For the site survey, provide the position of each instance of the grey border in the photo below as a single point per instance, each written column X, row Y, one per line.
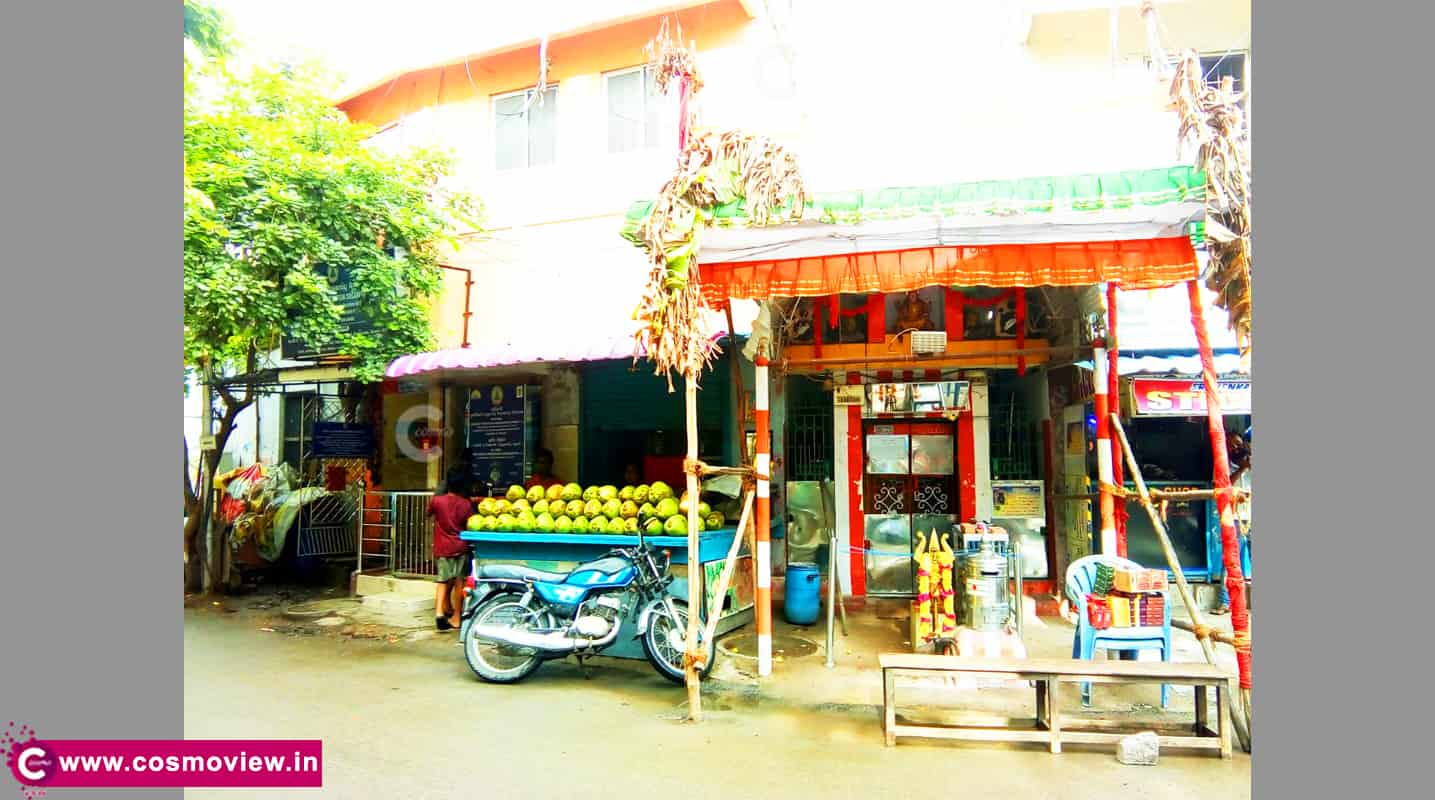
column 90, row 598
column 1343, row 471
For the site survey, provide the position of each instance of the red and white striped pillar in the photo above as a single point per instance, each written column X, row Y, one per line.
column 763, row 463
column 1103, row 449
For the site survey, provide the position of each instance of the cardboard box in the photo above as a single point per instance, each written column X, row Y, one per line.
column 1135, row 581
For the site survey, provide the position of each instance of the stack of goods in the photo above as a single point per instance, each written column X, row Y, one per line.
column 1123, row 609
column 1153, row 610
column 1126, row 598
column 571, row 509
column 1098, row 611
column 1105, row 576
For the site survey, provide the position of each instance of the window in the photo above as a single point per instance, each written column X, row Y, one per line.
column 1232, row 65
column 525, row 129
column 634, row 105
column 1216, row 66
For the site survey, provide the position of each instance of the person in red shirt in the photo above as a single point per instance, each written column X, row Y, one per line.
column 543, row 470
column 450, row 512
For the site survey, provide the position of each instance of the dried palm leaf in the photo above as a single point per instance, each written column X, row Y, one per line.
column 715, row 169
column 1213, row 119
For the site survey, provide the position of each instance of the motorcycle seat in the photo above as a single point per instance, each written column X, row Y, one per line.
column 518, row 572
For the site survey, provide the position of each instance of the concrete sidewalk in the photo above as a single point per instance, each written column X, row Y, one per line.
column 854, row 682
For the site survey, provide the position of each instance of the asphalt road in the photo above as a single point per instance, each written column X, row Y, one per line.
column 406, row 719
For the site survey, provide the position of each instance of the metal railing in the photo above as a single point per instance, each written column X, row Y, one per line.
column 397, row 530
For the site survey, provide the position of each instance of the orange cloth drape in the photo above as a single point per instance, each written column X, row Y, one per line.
column 1141, row 264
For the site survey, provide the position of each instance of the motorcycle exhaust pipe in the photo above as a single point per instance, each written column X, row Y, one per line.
column 556, row 642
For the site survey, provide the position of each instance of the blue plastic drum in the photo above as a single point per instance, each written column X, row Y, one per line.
column 801, row 601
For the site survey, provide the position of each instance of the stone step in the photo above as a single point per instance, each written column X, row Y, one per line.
column 366, row 585
column 400, row 605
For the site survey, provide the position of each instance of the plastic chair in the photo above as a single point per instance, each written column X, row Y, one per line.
column 1080, row 577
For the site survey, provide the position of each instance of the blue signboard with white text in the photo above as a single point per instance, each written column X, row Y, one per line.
column 342, row 440
column 502, row 433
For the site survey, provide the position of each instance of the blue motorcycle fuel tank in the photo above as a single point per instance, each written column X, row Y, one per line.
column 605, row 573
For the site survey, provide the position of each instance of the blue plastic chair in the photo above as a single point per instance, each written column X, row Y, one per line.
column 1080, row 577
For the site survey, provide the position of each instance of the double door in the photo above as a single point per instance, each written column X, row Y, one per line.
column 909, row 485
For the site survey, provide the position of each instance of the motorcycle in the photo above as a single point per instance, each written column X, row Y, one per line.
column 516, row 617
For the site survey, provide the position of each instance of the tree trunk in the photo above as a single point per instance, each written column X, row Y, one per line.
column 204, row 549
column 193, row 514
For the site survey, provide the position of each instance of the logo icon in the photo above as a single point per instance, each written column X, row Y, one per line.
column 30, row 760
column 418, row 433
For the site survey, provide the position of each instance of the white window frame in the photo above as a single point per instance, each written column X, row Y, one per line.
column 664, row 132
column 493, row 103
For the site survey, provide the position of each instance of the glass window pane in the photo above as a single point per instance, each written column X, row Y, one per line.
column 932, row 455
column 510, row 137
column 887, row 454
column 543, row 129
column 625, row 112
column 652, row 104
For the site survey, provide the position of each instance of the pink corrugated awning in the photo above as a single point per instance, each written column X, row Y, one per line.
column 568, row 349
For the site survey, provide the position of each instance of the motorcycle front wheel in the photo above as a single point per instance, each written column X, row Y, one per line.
column 666, row 640
column 502, row 663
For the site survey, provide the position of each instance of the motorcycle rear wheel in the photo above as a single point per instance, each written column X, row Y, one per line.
column 664, row 644
column 499, row 663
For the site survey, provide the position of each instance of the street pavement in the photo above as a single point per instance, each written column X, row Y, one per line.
column 403, row 717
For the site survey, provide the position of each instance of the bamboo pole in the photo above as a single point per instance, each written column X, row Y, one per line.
column 1203, row 633
column 695, row 567
column 728, row 568
column 1220, row 636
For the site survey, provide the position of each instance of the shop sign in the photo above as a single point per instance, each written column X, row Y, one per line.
column 853, row 395
column 352, row 318
column 1185, row 397
column 1018, row 500
column 342, row 440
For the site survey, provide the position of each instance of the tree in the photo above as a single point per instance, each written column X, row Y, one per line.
column 279, row 190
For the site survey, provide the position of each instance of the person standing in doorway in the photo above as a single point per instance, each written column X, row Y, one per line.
column 1239, row 449
column 450, row 512
column 543, row 470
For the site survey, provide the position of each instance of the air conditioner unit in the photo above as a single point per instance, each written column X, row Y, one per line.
column 929, row 343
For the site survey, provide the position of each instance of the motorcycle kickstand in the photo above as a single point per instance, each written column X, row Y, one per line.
column 583, row 665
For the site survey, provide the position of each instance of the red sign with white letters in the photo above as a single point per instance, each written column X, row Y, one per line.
column 1185, row 397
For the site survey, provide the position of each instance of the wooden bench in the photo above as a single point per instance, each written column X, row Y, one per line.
column 1048, row 675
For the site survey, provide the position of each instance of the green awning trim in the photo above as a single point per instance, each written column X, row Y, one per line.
column 1091, row 192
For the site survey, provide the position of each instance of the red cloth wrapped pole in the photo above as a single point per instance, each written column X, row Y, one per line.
column 1114, row 392
column 1225, row 502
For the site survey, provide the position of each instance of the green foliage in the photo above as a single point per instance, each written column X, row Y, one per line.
column 206, row 29
column 279, row 184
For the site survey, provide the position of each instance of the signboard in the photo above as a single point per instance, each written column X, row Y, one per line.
column 1018, row 500
column 342, row 440
column 351, row 319
column 1186, row 397
column 853, row 395
column 496, row 441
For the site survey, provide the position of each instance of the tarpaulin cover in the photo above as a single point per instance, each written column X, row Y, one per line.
column 1135, row 227
column 1141, row 264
